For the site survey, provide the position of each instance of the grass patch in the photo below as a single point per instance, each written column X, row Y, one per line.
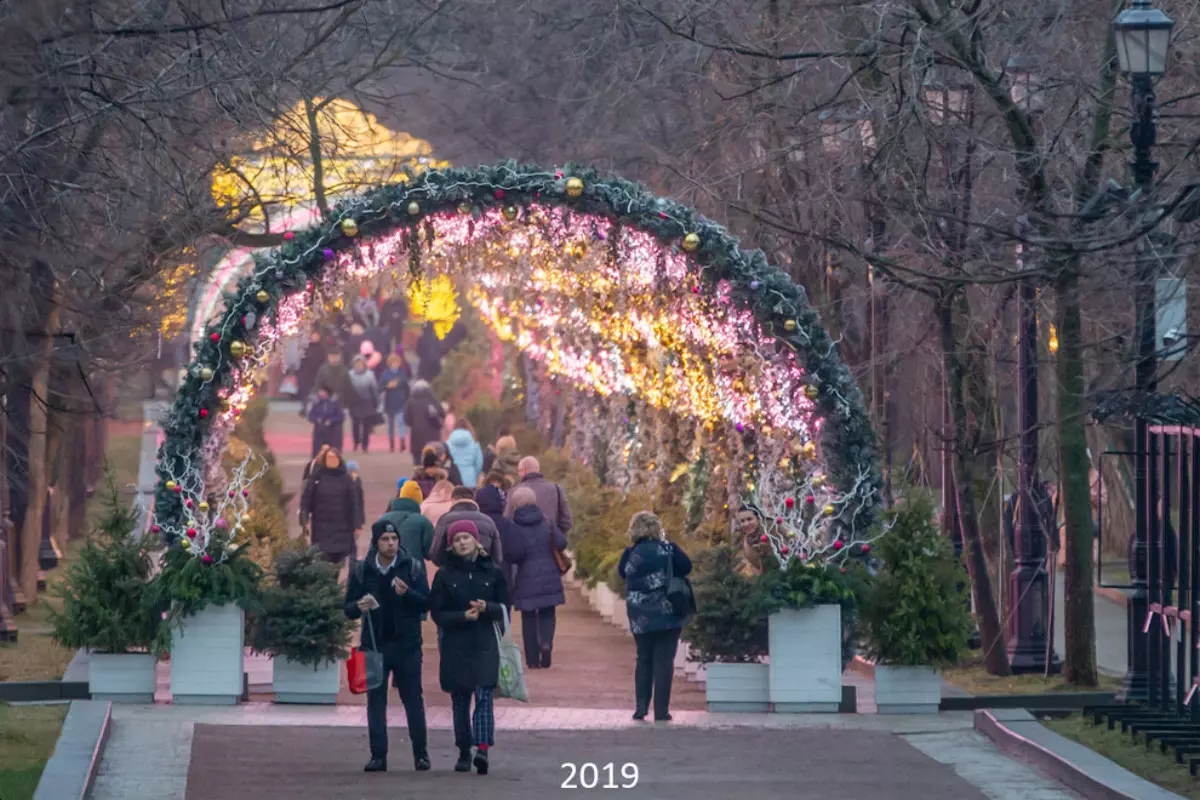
column 971, row 676
column 28, row 735
column 124, row 456
column 1132, row 755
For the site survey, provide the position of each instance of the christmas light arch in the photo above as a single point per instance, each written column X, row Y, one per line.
column 615, row 290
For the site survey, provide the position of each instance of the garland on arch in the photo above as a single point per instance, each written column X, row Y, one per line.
column 739, row 328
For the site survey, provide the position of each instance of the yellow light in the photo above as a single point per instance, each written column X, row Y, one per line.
column 1053, row 343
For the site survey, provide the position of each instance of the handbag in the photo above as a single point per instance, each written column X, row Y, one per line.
column 561, row 560
column 364, row 669
column 376, row 419
column 511, row 681
column 679, row 590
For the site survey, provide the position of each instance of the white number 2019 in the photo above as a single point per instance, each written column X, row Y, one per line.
column 588, row 776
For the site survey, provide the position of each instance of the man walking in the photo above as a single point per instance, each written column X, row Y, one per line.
column 551, row 498
column 391, row 593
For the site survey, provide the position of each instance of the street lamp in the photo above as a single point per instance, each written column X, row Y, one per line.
column 1143, row 38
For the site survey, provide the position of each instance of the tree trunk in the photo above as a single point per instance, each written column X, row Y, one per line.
column 992, row 635
column 1079, row 623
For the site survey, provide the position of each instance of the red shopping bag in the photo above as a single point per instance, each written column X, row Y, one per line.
column 356, row 671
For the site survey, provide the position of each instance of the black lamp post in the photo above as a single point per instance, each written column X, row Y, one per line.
column 1143, row 38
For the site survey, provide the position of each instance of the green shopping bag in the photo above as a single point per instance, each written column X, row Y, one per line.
column 511, row 682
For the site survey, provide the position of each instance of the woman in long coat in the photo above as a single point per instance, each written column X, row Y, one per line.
column 469, row 595
column 424, row 416
column 330, row 508
column 538, row 588
column 652, row 620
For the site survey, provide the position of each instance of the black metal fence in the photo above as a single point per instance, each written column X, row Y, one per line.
column 1162, row 700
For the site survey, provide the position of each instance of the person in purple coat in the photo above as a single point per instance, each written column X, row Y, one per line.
column 539, row 587
column 328, row 421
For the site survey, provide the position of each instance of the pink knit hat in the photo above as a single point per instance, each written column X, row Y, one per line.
column 462, row 526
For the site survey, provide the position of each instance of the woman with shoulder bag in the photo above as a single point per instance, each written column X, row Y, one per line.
column 538, row 589
column 658, row 601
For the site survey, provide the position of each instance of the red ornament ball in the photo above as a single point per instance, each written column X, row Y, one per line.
column 214, row 337
column 763, row 539
column 558, row 173
column 245, row 492
column 790, row 502
column 783, row 550
column 837, row 545
column 289, row 235
column 204, row 413
column 498, row 194
column 206, row 558
column 695, row 290
column 191, row 533
column 155, row 529
column 232, row 493
column 779, row 520
column 866, row 549
column 810, row 499
column 188, row 502
column 178, row 490
column 842, row 570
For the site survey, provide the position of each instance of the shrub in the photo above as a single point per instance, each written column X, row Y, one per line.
column 730, row 624
column 301, row 616
column 915, row 613
column 108, row 598
column 188, row 585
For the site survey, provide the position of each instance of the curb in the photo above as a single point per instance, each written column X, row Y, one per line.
column 43, row 691
column 1068, row 762
column 71, row 770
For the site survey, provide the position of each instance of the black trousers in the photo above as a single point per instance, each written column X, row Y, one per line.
column 655, row 669
column 405, row 668
column 537, row 631
column 360, row 430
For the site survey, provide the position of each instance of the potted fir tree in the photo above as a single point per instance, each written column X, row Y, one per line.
column 303, row 626
column 728, row 634
column 108, row 607
column 915, row 616
column 208, row 590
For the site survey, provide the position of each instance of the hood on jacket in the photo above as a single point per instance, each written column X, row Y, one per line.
column 528, row 516
column 405, row 504
column 465, row 505
column 490, row 500
column 460, row 438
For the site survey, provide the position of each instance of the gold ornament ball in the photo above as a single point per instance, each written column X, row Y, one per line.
column 812, row 392
column 171, row 486
column 818, row 481
column 810, row 449
column 691, row 242
column 206, row 374
column 237, row 348
column 510, row 212
column 262, row 296
column 790, row 325
column 829, row 509
column 186, row 544
column 797, row 448
column 339, row 304
column 574, row 187
column 785, row 463
column 203, row 505
column 464, row 209
column 224, row 404
column 349, row 227
column 414, row 208
column 245, row 519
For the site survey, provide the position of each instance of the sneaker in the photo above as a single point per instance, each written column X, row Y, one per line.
column 422, row 763
column 376, row 765
column 481, row 760
column 464, row 761
column 546, row 658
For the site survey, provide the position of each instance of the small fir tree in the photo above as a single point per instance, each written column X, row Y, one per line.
column 915, row 614
column 301, row 616
column 108, row 599
column 730, row 623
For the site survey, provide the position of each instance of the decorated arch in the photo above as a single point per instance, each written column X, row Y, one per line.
column 618, row 293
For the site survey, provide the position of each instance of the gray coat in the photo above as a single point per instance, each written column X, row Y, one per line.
column 538, row 583
column 551, row 499
column 489, row 537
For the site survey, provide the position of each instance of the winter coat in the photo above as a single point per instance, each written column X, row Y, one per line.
column 429, row 351
column 467, row 456
column 539, row 584
column 512, row 540
column 380, row 338
column 489, row 537
column 434, row 510
column 397, row 621
column 423, row 415
column 364, row 398
column 310, row 365
column 330, row 505
column 392, row 315
column 551, row 499
column 326, row 413
column 644, row 569
column 416, row 531
column 489, row 460
column 394, row 383
column 336, row 378
column 507, row 463
column 470, row 657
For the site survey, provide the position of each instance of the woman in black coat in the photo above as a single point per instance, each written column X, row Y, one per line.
column 331, row 509
column 469, row 595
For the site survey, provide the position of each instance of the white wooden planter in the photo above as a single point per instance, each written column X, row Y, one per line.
column 207, row 655
column 605, row 601
column 806, row 659
column 620, row 617
column 738, row 687
column 301, row 683
column 907, row 690
column 122, row 677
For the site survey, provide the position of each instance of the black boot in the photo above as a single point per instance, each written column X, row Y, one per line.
column 464, row 760
column 545, row 658
column 481, row 760
column 376, row 765
column 422, row 763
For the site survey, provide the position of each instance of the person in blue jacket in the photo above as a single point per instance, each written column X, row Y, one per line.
column 466, row 454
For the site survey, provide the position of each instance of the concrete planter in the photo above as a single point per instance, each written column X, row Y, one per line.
column 207, row 657
column 605, row 601
column 806, row 659
column 620, row 617
column 907, row 690
column 301, row 683
column 738, row 687
column 121, row 677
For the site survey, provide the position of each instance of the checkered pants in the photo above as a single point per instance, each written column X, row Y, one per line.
column 478, row 728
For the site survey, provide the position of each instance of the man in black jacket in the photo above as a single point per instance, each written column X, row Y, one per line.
column 393, row 593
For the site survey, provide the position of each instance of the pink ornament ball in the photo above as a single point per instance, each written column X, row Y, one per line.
column 232, row 493
column 763, row 539
column 191, row 533
column 289, row 235
column 214, row 337
column 783, row 549
column 695, row 290
column 188, row 502
column 842, row 570
column 245, row 492
column 178, row 490
column 156, row 529
column 790, row 502
column 837, row 545
column 779, row 520
column 866, row 549
column 810, row 499
column 220, row 523
column 206, row 558
column 204, row 413
column 498, row 194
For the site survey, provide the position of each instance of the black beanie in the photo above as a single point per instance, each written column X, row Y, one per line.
column 382, row 525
